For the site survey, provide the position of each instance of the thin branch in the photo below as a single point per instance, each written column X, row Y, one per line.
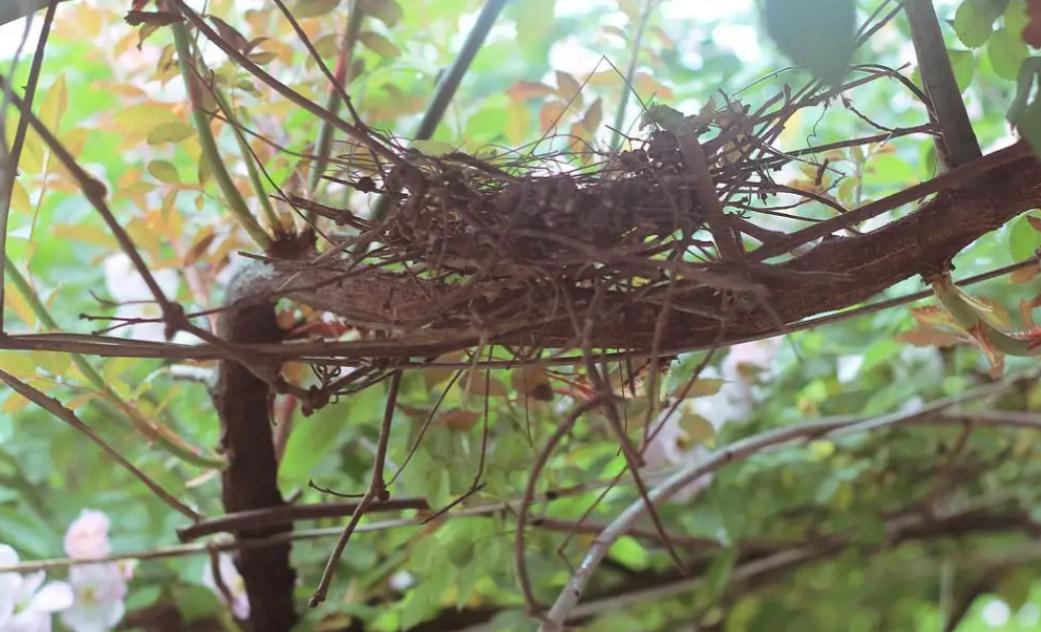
column 355, row 132
column 9, row 159
column 742, row 449
column 232, row 196
column 257, row 518
column 377, row 492
column 55, row 407
column 630, row 72
column 95, row 193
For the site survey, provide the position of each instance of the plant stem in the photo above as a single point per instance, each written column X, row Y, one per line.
column 236, row 204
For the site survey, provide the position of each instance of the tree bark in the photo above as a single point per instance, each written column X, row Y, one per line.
column 423, row 317
column 250, row 481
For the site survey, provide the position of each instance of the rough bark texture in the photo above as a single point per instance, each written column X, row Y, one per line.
column 920, row 243
column 243, row 403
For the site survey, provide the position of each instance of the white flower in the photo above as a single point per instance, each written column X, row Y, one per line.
column 26, row 603
column 87, row 536
column 99, row 590
column 128, row 288
column 232, row 581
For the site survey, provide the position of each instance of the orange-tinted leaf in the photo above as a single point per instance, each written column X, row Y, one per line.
column 458, row 419
column 433, row 377
column 550, row 114
column 229, row 34
column 1023, row 275
column 260, row 58
column 648, row 87
column 529, row 90
column 478, row 382
column 569, row 88
column 593, row 116
column 1035, row 222
column 929, row 337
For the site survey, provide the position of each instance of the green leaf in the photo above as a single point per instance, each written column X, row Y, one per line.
column 974, row 20
column 312, row 439
column 1023, row 239
column 30, row 536
column 169, row 133
column 164, row 171
column 1006, row 51
column 379, row 44
column 313, row 8
column 386, row 11
column 698, row 429
column 534, row 21
column 819, row 36
column 630, row 552
column 434, row 148
column 963, row 63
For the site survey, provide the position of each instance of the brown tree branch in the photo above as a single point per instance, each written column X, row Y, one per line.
column 250, row 482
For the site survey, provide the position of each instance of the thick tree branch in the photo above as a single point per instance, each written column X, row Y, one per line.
column 1006, row 183
column 250, row 482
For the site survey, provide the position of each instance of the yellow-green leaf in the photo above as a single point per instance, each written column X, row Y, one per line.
column 54, row 103
column 386, row 11
column 518, row 121
column 164, row 171
column 703, row 387
column 379, row 44
column 698, row 429
column 171, row 132
column 314, row 8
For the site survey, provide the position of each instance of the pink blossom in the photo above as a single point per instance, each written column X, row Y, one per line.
column 232, row 581
column 87, row 536
column 26, row 603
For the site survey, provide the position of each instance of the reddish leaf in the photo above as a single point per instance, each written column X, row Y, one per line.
column 549, row 115
column 593, row 116
column 1023, row 275
column 568, row 88
column 457, row 419
column 929, row 337
column 151, row 18
column 481, row 384
column 528, row 90
column 229, row 34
